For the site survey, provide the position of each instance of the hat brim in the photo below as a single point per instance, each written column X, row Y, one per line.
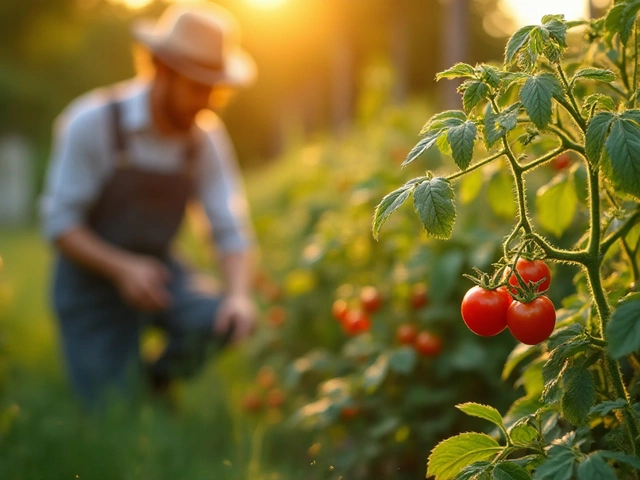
column 238, row 68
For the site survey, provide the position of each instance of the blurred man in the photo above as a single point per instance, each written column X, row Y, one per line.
column 126, row 161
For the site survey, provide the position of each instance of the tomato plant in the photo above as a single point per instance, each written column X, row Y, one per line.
column 370, row 299
column 532, row 271
column 428, row 344
column 485, row 311
column 579, row 415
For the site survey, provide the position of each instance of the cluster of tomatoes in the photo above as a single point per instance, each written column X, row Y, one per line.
column 268, row 394
column 488, row 312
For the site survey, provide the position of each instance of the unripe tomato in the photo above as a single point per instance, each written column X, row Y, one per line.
column 340, row 309
column 533, row 322
column 406, row 334
column 419, row 297
column 356, row 322
column 428, row 344
column 370, row 299
column 532, row 271
column 251, row 402
column 275, row 398
column 276, row 315
column 485, row 311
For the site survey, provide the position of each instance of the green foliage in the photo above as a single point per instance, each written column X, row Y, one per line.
column 449, row 457
column 623, row 332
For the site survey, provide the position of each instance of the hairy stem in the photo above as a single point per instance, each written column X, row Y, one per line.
column 571, row 106
column 475, row 166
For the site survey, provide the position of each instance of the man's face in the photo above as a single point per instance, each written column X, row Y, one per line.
column 184, row 98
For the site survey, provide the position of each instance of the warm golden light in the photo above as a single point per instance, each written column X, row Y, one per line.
column 266, row 3
column 529, row 12
column 133, row 4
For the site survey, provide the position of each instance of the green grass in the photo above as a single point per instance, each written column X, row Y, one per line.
column 44, row 435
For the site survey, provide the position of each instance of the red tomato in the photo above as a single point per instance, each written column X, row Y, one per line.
column 251, row 402
column 532, row 271
column 349, row 412
column 419, row 297
column 370, row 299
column 533, row 322
column 340, row 309
column 428, row 344
column 406, row 334
column 356, row 322
column 561, row 162
column 485, row 311
column 275, row 398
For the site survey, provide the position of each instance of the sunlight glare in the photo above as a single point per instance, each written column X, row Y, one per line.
column 133, row 4
column 529, row 12
column 267, row 4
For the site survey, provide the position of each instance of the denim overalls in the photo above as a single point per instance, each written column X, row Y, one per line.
column 140, row 211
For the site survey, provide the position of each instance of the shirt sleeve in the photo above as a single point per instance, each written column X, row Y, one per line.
column 75, row 174
column 222, row 192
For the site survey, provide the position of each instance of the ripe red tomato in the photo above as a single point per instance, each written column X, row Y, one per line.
column 340, row 309
column 532, row 271
column 428, row 344
column 370, row 299
column 485, row 311
column 349, row 412
column 406, row 334
column 251, row 402
column 533, row 322
column 419, row 297
column 561, row 162
column 356, row 322
column 266, row 377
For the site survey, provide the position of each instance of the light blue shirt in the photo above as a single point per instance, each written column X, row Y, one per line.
column 83, row 160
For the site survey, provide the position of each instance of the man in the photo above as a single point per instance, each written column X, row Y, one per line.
column 126, row 161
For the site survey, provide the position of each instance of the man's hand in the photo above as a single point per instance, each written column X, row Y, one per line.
column 237, row 312
column 142, row 282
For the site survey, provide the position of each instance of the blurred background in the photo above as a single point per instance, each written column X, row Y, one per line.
column 344, row 87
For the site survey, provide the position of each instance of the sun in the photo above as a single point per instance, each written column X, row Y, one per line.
column 529, row 12
column 266, row 4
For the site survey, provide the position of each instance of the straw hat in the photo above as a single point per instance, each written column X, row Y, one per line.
column 201, row 42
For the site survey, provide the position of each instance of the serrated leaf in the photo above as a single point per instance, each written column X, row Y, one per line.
column 433, row 200
column 403, row 360
column 605, row 408
column 508, row 118
column 516, row 42
column 621, row 19
column 517, row 355
column 429, row 140
column 595, row 468
column 632, row 461
column 470, row 186
column 375, row 374
column 492, row 131
column 599, row 100
column 450, row 456
column 559, row 465
column 522, row 407
column 599, row 74
column 475, row 471
column 564, row 334
column 556, row 26
column 500, row 194
column 461, row 140
column 510, row 471
column 482, row 411
column 446, row 119
column 558, row 355
column 459, row 70
column 474, row 93
column 389, row 204
column 536, row 95
column 597, row 132
column 579, row 395
column 490, row 75
column 623, row 331
column 524, row 435
column 556, row 205
column 623, row 148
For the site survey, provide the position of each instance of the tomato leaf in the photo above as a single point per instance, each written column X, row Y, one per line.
column 510, row 471
column 623, row 149
column 623, row 331
column 375, row 374
column 474, row 93
column 517, row 355
column 461, row 140
column 523, row 435
column 450, row 456
column 508, row 118
column 403, row 360
column 599, row 74
column 563, row 335
column 459, row 70
column 475, row 471
column 427, row 142
column 556, row 204
column 492, row 131
column 433, row 201
column 632, row 461
column 559, row 465
column 599, row 100
column 516, row 42
column 536, row 95
column 597, row 132
column 389, row 204
column 500, row 194
column 579, row 395
column 446, row 119
column 595, row 468
column 482, row 411
column 621, row 19
column 605, row 408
